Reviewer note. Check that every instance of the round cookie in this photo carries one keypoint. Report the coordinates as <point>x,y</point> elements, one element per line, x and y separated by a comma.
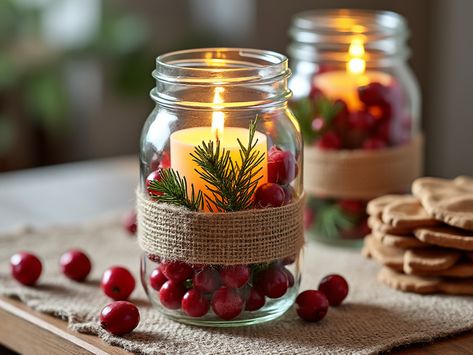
<point>375,207</point>
<point>398,241</point>
<point>377,225</point>
<point>446,200</point>
<point>387,256</point>
<point>425,285</point>
<point>465,182</point>
<point>460,270</point>
<point>445,236</point>
<point>407,214</point>
<point>429,260</point>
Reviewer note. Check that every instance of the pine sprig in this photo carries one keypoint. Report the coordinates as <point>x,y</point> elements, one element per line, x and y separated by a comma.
<point>172,188</point>
<point>231,185</point>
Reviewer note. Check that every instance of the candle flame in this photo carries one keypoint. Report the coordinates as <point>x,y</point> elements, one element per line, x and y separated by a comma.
<point>357,63</point>
<point>218,118</point>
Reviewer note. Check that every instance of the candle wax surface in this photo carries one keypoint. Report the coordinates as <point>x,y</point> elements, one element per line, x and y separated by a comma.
<point>343,85</point>
<point>184,141</point>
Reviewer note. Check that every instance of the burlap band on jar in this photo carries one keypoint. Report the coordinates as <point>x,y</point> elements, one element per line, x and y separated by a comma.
<point>362,174</point>
<point>244,237</point>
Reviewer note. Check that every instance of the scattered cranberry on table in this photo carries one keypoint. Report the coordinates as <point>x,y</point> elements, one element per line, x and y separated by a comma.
<point>195,304</point>
<point>171,294</point>
<point>157,279</point>
<point>269,195</point>
<point>75,264</point>
<point>311,305</point>
<point>119,317</point>
<point>335,288</point>
<point>227,303</point>
<point>117,283</point>
<point>176,270</point>
<point>129,222</point>
<point>25,268</point>
<point>235,276</point>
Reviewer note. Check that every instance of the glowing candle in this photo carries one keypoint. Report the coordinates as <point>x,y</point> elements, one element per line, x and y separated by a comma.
<point>344,85</point>
<point>184,141</point>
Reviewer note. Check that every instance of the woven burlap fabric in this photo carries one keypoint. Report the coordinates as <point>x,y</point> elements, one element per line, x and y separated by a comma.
<point>243,237</point>
<point>373,318</point>
<point>362,174</point>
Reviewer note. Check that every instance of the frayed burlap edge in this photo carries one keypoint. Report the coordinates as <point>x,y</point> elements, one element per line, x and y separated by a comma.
<point>243,237</point>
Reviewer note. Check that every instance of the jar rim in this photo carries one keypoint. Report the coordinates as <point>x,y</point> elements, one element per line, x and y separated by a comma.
<point>220,66</point>
<point>351,21</point>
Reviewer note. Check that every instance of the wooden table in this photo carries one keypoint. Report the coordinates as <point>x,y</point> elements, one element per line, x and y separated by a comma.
<point>37,197</point>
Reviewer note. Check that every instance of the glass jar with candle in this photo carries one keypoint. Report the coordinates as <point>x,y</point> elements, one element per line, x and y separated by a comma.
<point>220,207</point>
<point>358,106</point>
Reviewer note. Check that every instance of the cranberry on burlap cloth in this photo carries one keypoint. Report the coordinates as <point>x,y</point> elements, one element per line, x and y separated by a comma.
<point>372,319</point>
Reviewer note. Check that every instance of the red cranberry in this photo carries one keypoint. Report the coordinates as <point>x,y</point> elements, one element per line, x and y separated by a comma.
<point>235,276</point>
<point>361,121</point>
<point>311,305</point>
<point>171,294</point>
<point>129,222</point>
<point>25,268</point>
<point>195,304</point>
<point>281,166</point>
<point>162,161</point>
<point>117,283</point>
<point>227,303</point>
<point>290,277</point>
<point>315,93</point>
<point>207,280</point>
<point>269,195</point>
<point>289,194</point>
<point>373,94</point>
<point>340,121</point>
<point>353,207</point>
<point>308,217</point>
<point>75,265</point>
<point>255,300</point>
<point>273,282</point>
<point>335,288</point>
<point>363,228</point>
<point>382,131</point>
<point>329,140</point>
<point>154,258</point>
<point>157,279</point>
<point>177,270</point>
<point>153,176</point>
<point>373,144</point>
<point>119,317</point>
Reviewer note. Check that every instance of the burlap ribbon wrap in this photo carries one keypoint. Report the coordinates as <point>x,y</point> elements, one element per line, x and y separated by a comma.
<point>362,174</point>
<point>244,237</point>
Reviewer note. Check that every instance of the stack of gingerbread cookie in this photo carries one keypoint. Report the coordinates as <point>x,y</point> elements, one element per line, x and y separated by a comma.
<point>425,240</point>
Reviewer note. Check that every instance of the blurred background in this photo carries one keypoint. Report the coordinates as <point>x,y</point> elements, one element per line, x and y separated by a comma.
<point>75,74</point>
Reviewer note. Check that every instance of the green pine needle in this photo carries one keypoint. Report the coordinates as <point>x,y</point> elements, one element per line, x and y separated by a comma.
<point>231,185</point>
<point>173,189</point>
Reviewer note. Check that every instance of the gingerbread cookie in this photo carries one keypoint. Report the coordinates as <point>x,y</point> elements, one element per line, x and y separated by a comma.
<point>446,200</point>
<point>388,256</point>
<point>425,285</point>
<point>398,241</point>
<point>408,213</point>
<point>377,225</point>
<point>460,270</point>
<point>429,260</point>
<point>375,207</point>
<point>465,182</point>
<point>446,236</point>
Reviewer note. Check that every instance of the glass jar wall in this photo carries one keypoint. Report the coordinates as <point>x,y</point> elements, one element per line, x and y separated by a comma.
<point>218,96</point>
<point>358,106</point>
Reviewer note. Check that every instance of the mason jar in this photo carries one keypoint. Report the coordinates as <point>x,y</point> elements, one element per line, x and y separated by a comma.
<point>358,105</point>
<point>220,201</point>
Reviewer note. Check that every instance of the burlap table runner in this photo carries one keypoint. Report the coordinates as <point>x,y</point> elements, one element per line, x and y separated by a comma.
<point>374,318</point>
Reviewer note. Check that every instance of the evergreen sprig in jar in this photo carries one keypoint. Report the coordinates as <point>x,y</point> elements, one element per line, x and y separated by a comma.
<point>220,202</point>
<point>358,106</point>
